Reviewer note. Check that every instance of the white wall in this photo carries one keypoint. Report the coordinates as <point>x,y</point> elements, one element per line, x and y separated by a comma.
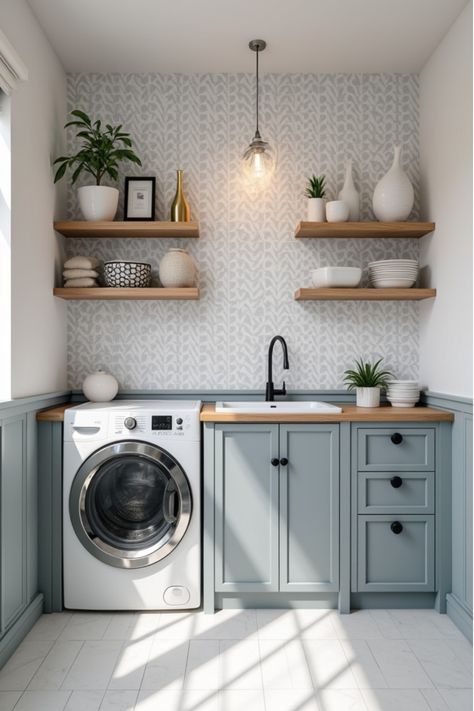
<point>446,179</point>
<point>38,111</point>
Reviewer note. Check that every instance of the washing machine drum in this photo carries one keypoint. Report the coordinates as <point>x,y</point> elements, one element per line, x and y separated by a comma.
<point>130,504</point>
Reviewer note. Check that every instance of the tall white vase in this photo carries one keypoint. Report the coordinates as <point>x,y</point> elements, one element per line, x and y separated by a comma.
<point>350,195</point>
<point>393,196</point>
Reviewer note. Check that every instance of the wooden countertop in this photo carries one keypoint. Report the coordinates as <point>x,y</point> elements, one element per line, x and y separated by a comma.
<point>350,413</point>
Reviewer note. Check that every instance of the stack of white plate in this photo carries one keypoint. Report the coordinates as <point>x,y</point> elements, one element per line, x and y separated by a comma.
<point>393,273</point>
<point>403,393</point>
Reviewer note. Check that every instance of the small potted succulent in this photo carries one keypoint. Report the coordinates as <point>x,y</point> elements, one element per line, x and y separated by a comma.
<point>101,151</point>
<point>315,192</point>
<point>367,380</point>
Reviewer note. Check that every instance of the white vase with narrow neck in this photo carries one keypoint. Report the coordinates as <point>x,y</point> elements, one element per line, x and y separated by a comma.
<point>393,195</point>
<point>350,195</point>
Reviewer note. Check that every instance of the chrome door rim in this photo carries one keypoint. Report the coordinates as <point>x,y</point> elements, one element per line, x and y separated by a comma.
<point>117,557</point>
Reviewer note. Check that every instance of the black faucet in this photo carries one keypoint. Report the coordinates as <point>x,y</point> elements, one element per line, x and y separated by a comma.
<point>270,391</point>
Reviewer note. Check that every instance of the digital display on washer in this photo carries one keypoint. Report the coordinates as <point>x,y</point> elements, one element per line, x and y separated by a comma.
<point>161,422</point>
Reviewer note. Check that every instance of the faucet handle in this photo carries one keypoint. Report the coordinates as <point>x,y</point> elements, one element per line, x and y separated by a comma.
<point>283,390</point>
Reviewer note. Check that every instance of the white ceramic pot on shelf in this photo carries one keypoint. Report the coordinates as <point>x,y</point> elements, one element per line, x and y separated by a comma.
<point>368,397</point>
<point>98,202</point>
<point>177,269</point>
<point>337,211</point>
<point>100,386</point>
<point>393,195</point>
<point>316,210</point>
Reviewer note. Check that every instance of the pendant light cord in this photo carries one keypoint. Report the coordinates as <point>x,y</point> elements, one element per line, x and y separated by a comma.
<point>257,133</point>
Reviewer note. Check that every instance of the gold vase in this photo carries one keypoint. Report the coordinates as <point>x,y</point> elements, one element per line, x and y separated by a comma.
<point>179,207</point>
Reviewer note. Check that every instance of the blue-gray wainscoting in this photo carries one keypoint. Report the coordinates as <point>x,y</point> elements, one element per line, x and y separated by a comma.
<point>21,599</point>
<point>459,601</point>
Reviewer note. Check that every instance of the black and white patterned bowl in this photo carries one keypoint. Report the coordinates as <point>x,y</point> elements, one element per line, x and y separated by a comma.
<point>127,274</point>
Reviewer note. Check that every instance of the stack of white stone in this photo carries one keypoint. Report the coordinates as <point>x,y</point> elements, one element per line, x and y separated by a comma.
<point>81,272</point>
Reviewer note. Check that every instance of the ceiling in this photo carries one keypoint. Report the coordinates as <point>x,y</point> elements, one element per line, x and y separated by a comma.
<point>212,35</point>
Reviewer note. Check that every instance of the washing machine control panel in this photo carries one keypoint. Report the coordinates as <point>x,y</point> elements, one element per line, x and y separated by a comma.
<point>152,425</point>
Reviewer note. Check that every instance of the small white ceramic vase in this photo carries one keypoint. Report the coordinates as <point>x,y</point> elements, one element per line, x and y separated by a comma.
<point>393,195</point>
<point>337,211</point>
<point>368,397</point>
<point>98,202</point>
<point>316,210</point>
<point>177,269</point>
<point>349,194</point>
<point>100,386</point>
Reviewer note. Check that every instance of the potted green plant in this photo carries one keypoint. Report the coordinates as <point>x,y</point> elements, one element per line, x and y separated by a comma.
<point>101,151</point>
<point>315,192</point>
<point>367,379</point>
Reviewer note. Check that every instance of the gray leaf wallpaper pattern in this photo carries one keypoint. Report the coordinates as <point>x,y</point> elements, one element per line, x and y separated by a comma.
<point>249,261</point>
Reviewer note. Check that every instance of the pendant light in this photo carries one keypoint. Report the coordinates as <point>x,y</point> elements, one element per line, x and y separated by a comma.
<point>258,161</point>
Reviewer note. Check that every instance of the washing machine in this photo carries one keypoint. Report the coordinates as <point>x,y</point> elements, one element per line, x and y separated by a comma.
<point>132,506</point>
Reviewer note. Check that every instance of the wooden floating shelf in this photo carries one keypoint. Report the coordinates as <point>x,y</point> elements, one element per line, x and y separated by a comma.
<point>364,294</point>
<point>120,294</point>
<point>126,229</point>
<point>355,230</point>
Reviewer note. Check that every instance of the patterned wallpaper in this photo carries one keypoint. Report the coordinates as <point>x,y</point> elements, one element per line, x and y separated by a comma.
<point>249,262</point>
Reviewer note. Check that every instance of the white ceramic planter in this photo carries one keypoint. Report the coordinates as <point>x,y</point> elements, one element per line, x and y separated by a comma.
<point>98,202</point>
<point>337,211</point>
<point>393,195</point>
<point>100,386</point>
<point>316,210</point>
<point>368,397</point>
<point>177,269</point>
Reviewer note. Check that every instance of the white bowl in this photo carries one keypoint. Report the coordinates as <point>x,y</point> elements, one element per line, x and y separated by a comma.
<point>393,283</point>
<point>327,277</point>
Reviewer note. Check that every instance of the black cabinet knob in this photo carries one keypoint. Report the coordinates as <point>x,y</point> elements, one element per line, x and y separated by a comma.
<point>275,462</point>
<point>283,461</point>
<point>396,438</point>
<point>396,527</point>
<point>396,482</point>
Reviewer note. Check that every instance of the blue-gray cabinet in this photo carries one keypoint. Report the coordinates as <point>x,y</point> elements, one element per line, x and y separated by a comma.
<point>276,507</point>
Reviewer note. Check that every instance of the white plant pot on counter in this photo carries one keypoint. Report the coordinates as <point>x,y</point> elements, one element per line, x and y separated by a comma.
<point>316,210</point>
<point>368,397</point>
<point>98,202</point>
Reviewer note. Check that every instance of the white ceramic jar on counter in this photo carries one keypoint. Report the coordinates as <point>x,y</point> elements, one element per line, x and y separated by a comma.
<point>100,386</point>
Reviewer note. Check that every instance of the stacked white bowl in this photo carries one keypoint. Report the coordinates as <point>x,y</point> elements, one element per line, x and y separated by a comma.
<point>403,393</point>
<point>393,273</point>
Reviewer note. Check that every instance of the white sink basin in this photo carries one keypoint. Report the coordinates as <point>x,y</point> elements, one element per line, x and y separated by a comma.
<point>280,408</point>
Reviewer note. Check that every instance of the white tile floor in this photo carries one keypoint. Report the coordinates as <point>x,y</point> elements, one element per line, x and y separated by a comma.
<point>241,660</point>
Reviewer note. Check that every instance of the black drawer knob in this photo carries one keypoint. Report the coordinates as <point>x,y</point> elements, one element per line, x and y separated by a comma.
<point>396,482</point>
<point>283,461</point>
<point>275,462</point>
<point>396,527</point>
<point>396,438</point>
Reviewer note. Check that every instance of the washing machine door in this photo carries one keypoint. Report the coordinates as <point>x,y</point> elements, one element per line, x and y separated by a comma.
<point>130,504</point>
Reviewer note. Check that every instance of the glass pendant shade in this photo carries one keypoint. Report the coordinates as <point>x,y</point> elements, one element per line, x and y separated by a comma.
<point>258,161</point>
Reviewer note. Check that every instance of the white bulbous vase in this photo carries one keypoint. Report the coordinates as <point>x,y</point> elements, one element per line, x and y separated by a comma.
<point>177,269</point>
<point>393,195</point>
<point>100,386</point>
<point>349,194</point>
<point>98,202</point>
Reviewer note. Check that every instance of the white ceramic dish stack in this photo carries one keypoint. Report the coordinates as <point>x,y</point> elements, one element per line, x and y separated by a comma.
<point>393,273</point>
<point>334,277</point>
<point>403,393</point>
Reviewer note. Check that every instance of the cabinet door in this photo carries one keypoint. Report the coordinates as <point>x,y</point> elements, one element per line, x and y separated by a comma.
<point>13,520</point>
<point>396,559</point>
<point>309,508</point>
<point>246,508</point>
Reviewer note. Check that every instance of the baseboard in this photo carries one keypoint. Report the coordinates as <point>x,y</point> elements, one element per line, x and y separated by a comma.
<point>20,629</point>
<point>460,615</point>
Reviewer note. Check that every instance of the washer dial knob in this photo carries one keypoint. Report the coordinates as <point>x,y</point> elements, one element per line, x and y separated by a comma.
<point>130,423</point>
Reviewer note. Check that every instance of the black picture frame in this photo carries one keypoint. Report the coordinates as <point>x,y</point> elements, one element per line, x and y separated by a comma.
<point>148,185</point>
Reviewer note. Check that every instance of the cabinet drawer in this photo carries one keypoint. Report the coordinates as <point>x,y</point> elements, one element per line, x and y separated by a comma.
<point>388,561</point>
<point>389,492</point>
<point>395,449</point>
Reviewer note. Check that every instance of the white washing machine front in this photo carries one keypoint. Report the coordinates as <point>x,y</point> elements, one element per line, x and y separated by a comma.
<point>132,506</point>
